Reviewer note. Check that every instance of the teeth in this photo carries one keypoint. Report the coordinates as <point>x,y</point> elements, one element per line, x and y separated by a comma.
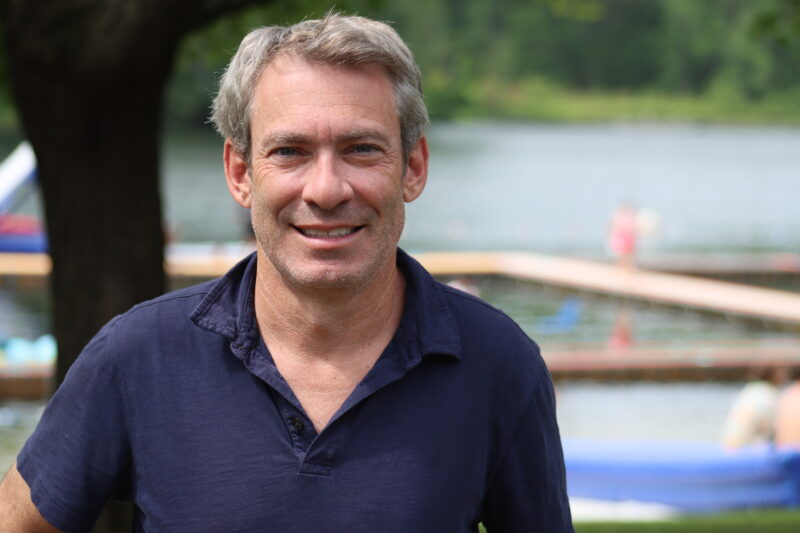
<point>329,234</point>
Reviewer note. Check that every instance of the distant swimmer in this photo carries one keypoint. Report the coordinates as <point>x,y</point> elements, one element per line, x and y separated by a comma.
<point>622,235</point>
<point>787,417</point>
<point>751,420</point>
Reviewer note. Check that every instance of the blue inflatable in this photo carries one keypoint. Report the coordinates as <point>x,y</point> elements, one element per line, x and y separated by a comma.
<point>688,476</point>
<point>34,243</point>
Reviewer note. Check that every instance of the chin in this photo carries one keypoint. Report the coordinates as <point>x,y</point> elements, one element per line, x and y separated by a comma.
<point>329,279</point>
<point>308,273</point>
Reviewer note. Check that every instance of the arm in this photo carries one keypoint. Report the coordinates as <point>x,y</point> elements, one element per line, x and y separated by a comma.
<point>78,457</point>
<point>17,512</point>
<point>528,491</point>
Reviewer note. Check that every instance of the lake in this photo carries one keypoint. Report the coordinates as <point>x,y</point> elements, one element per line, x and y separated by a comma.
<point>552,188</point>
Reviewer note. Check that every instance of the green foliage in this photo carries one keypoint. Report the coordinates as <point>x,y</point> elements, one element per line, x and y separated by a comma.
<point>545,59</point>
<point>204,54</point>
<point>780,21</point>
<point>8,119</point>
<point>542,59</point>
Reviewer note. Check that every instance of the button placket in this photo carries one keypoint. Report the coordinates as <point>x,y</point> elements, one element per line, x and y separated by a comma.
<point>297,423</point>
<point>299,429</point>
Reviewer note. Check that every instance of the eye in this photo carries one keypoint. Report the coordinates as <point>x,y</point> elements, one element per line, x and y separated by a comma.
<point>364,149</point>
<point>286,151</point>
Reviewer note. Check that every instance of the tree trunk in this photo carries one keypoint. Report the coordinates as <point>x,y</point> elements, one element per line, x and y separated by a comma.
<point>98,158</point>
<point>93,117</point>
<point>88,78</point>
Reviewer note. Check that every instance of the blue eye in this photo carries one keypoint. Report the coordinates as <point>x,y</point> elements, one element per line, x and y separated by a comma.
<point>363,149</point>
<point>286,151</point>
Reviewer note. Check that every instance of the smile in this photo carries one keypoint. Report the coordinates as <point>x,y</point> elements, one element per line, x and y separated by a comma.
<point>334,233</point>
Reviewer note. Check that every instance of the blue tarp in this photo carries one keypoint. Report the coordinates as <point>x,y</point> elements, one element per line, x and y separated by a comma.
<point>688,476</point>
<point>23,243</point>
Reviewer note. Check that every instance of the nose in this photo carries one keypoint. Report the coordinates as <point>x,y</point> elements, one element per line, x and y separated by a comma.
<point>326,185</point>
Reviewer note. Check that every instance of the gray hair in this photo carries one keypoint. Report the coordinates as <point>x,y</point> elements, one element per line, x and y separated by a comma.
<point>335,40</point>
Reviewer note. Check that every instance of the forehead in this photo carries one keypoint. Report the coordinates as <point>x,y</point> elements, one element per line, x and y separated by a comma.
<point>292,91</point>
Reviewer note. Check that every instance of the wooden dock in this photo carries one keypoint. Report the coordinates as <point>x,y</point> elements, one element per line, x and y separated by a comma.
<point>32,381</point>
<point>717,360</point>
<point>685,361</point>
<point>726,298</point>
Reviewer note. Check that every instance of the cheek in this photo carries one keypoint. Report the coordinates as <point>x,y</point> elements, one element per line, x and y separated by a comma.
<point>271,195</point>
<point>383,191</point>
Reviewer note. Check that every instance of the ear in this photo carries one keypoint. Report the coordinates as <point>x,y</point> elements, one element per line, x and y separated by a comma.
<point>416,171</point>
<point>237,175</point>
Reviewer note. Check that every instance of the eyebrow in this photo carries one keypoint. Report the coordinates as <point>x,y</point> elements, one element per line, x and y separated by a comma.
<point>289,138</point>
<point>282,138</point>
<point>364,135</point>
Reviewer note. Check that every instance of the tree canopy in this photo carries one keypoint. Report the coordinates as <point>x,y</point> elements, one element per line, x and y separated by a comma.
<point>670,47</point>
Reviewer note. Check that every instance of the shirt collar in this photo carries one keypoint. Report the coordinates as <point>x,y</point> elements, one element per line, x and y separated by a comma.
<point>426,328</point>
<point>427,318</point>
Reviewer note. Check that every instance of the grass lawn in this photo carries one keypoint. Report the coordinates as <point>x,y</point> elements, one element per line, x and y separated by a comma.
<point>762,521</point>
<point>540,101</point>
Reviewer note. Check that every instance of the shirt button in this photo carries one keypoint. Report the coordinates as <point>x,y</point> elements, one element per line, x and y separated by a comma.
<point>297,424</point>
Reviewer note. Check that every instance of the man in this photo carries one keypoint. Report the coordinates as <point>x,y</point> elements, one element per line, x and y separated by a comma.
<point>328,383</point>
<point>751,419</point>
<point>787,413</point>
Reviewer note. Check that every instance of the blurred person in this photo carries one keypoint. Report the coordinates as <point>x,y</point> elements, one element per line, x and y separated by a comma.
<point>787,417</point>
<point>751,419</point>
<point>327,382</point>
<point>621,337</point>
<point>623,234</point>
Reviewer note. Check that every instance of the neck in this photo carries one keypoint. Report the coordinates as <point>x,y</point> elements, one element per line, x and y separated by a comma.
<point>328,323</point>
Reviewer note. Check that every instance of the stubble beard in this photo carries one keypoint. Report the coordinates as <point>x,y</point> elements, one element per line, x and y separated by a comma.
<point>333,279</point>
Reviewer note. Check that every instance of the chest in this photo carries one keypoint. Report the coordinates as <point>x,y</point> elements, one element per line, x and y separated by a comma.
<point>322,385</point>
<point>235,463</point>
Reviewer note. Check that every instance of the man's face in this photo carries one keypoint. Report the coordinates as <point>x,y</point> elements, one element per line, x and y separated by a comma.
<point>326,182</point>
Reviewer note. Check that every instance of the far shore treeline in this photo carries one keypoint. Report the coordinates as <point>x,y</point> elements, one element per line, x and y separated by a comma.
<point>730,61</point>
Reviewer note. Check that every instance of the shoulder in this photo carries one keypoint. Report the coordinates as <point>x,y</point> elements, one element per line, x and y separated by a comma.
<point>479,320</point>
<point>179,302</point>
<point>167,311</point>
<point>494,341</point>
<point>144,329</point>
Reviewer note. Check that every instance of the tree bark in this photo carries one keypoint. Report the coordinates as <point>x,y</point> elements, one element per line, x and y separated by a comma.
<point>94,124</point>
<point>88,78</point>
<point>93,118</point>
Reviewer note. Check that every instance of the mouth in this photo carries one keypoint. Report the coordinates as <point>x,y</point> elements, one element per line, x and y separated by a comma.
<point>330,233</point>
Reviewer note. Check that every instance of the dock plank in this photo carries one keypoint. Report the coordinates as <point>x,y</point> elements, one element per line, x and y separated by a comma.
<point>594,276</point>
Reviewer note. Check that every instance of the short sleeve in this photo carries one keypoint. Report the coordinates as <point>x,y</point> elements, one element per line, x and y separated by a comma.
<point>78,457</point>
<point>528,491</point>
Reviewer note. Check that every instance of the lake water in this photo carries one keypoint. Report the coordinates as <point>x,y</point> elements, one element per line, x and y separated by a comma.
<point>547,188</point>
<point>552,188</point>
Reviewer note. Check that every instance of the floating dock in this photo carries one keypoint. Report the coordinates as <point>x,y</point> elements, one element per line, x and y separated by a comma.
<point>676,360</point>
<point>734,299</point>
<point>769,305</point>
<point>717,360</point>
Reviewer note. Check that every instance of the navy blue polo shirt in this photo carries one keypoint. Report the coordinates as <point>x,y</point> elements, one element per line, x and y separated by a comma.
<point>178,407</point>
